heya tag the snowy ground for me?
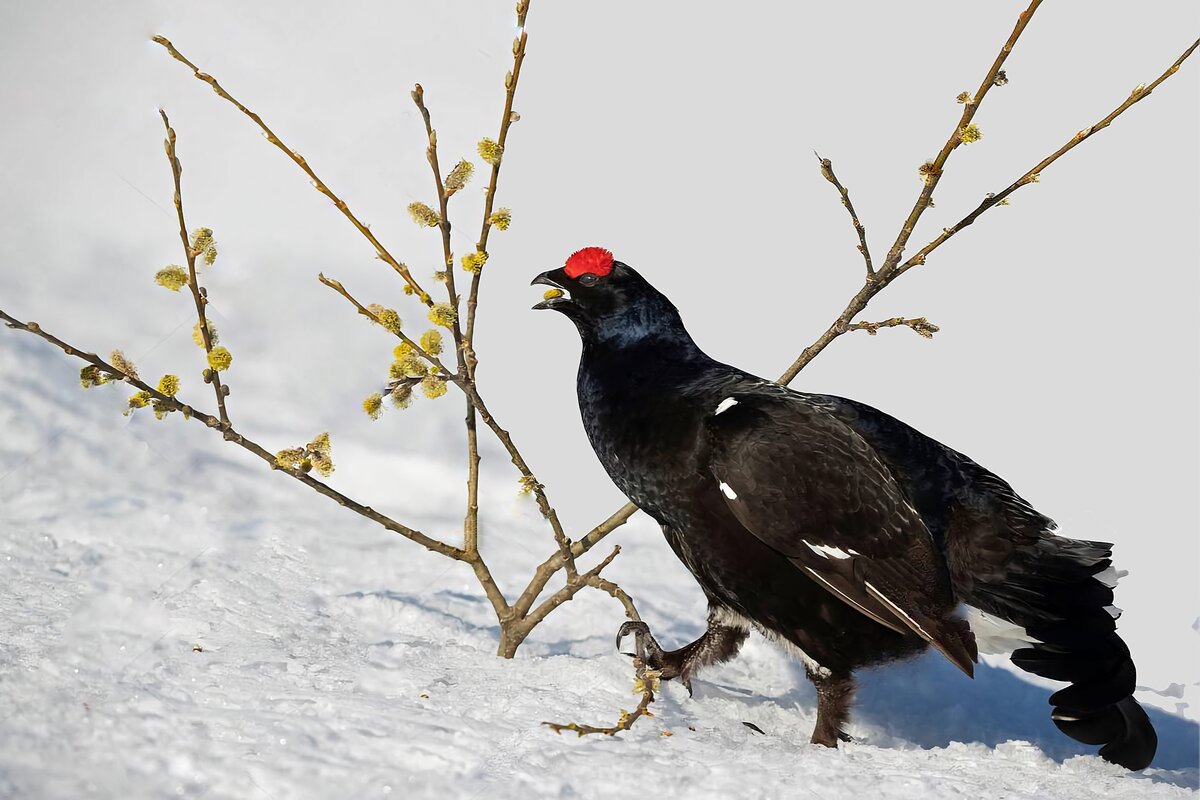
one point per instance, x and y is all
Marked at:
(177, 621)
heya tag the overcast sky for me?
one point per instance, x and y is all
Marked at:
(680, 135)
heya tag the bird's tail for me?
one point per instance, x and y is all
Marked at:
(1056, 595)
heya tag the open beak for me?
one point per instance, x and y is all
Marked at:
(554, 279)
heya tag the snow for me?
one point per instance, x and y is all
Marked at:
(179, 621)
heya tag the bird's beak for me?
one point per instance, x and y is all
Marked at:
(554, 279)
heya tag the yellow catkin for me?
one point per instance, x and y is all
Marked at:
(433, 386)
(172, 277)
(291, 458)
(490, 151)
(219, 359)
(501, 218)
(424, 215)
(198, 337)
(389, 319)
(373, 405)
(118, 360)
(458, 176)
(473, 262)
(92, 376)
(970, 134)
(443, 314)
(431, 342)
(169, 385)
(402, 396)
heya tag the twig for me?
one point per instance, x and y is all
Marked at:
(645, 683)
(231, 435)
(510, 84)
(337, 286)
(300, 161)
(468, 387)
(1138, 94)
(933, 173)
(827, 172)
(198, 294)
(471, 519)
(919, 325)
(571, 588)
(888, 274)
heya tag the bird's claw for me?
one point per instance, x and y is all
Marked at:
(646, 646)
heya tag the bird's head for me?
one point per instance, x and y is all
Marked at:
(606, 299)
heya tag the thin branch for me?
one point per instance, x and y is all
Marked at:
(1138, 94)
(471, 519)
(467, 386)
(572, 587)
(337, 286)
(827, 172)
(528, 479)
(300, 161)
(933, 172)
(919, 325)
(198, 294)
(231, 435)
(645, 683)
(510, 84)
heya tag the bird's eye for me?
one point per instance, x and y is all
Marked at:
(587, 279)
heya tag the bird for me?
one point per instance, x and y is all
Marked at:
(842, 534)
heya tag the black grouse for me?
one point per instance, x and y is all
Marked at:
(832, 528)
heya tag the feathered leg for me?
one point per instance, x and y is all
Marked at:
(719, 643)
(835, 693)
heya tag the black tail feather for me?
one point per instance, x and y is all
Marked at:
(1048, 585)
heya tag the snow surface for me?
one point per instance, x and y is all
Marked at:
(178, 621)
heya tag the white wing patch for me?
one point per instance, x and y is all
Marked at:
(994, 635)
(728, 491)
(831, 552)
(878, 595)
(851, 601)
(725, 405)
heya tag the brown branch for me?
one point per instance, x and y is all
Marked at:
(827, 172)
(919, 325)
(471, 519)
(528, 479)
(477, 403)
(300, 161)
(231, 435)
(510, 85)
(198, 294)
(645, 683)
(1032, 175)
(337, 286)
(933, 173)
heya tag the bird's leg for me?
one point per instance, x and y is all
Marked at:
(719, 643)
(834, 695)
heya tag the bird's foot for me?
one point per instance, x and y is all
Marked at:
(670, 665)
(646, 646)
(828, 738)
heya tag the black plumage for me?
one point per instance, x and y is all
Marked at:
(832, 528)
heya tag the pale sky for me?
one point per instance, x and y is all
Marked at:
(679, 135)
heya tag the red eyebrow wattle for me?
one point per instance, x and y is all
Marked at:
(589, 261)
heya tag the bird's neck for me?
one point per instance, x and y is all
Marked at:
(639, 327)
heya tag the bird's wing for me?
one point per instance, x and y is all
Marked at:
(812, 489)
